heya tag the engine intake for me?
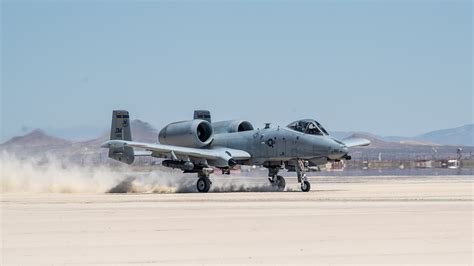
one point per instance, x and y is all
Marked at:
(195, 133)
(231, 126)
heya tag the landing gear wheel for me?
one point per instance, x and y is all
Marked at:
(280, 183)
(203, 184)
(305, 186)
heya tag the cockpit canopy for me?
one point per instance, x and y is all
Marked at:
(308, 126)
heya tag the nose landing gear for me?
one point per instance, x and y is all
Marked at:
(301, 174)
(305, 186)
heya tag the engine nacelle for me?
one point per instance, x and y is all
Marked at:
(195, 133)
(231, 126)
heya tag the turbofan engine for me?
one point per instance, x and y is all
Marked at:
(231, 126)
(195, 133)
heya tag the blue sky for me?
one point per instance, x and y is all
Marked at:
(386, 67)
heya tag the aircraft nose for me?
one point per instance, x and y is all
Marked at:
(338, 151)
(341, 150)
(344, 149)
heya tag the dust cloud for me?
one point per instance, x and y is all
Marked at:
(57, 175)
(53, 175)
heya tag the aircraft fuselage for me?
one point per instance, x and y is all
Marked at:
(280, 144)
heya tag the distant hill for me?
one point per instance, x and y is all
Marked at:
(34, 143)
(403, 150)
(453, 136)
(144, 132)
(38, 143)
(459, 136)
(36, 138)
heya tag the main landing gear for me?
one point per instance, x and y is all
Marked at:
(204, 183)
(276, 180)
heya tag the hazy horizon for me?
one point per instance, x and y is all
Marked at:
(387, 68)
(82, 133)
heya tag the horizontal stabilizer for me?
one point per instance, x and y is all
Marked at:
(353, 142)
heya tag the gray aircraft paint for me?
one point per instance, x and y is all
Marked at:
(279, 145)
(196, 145)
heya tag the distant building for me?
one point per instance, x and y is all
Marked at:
(451, 163)
(423, 164)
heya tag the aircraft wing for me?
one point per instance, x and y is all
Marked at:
(352, 142)
(173, 152)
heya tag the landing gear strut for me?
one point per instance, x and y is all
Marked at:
(203, 184)
(276, 180)
(301, 173)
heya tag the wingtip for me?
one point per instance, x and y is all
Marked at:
(105, 144)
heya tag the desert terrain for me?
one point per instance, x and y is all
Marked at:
(349, 220)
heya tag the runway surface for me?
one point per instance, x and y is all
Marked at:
(350, 220)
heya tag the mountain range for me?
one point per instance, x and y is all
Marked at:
(39, 144)
(459, 136)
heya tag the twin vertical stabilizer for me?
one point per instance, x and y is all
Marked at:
(203, 115)
(120, 130)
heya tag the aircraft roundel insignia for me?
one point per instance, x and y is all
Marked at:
(270, 142)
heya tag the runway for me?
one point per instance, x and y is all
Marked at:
(350, 220)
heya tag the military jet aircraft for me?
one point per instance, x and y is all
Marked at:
(196, 146)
